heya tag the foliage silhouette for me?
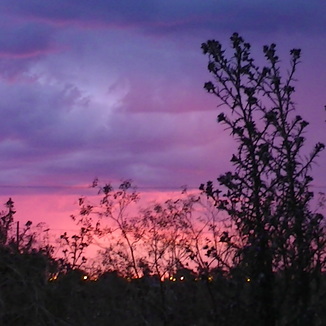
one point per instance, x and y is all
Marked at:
(268, 193)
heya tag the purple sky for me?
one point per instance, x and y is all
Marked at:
(114, 89)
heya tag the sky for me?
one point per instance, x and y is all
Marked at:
(114, 90)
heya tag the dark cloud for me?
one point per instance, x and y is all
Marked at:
(22, 44)
(24, 40)
(174, 16)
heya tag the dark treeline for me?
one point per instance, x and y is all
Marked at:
(250, 251)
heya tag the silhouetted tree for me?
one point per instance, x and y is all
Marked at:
(74, 246)
(114, 209)
(267, 194)
(24, 271)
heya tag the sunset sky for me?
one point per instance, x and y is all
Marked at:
(114, 90)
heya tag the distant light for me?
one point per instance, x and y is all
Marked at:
(53, 278)
(210, 278)
(85, 277)
(182, 278)
(248, 279)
